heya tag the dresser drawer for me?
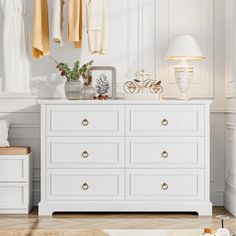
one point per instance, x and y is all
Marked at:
(86, 152)
(85, 184)
(82, 120)
(14, 168)
(165, 152)
(151, 120)
(162, 184)
(13, 196)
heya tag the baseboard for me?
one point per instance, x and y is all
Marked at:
(47, 208)
(230, 203)
(217, 198)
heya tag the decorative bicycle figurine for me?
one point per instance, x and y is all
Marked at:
(143, 81)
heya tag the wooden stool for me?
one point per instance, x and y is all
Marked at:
(15, 180)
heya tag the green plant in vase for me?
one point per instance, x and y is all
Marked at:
(73, 84)
(75, 72)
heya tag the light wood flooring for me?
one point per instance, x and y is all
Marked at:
(115, 221)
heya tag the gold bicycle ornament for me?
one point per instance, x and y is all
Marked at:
(143, 81)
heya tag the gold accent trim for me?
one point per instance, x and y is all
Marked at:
(185, 58)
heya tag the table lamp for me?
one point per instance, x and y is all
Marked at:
(184, 48)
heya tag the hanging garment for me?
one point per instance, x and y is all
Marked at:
(57, 18)
(40, 38)
(97, 25)
(75, 22)
(15, 49)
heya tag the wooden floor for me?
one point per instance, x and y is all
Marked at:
(115, 221)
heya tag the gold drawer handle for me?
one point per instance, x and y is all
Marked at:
(165, 154)
(85, 154)
(165, 186)
(85, 186)
(165, 122)
(85, 122)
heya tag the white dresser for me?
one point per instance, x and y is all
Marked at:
(125, 156)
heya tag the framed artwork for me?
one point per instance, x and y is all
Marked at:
(104, 80)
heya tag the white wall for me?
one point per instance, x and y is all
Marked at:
(230, 106)
(139, 33)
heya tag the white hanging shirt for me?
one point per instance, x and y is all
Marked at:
(15, 46)
(57, 21)
(97, 21)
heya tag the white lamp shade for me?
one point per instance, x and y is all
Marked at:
(184, 47)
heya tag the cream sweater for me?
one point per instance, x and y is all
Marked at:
(57, 21)
(97, 25)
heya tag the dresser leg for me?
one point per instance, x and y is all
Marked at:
(44, 210)
(205, 210)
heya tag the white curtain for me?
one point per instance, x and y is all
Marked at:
(15, 47)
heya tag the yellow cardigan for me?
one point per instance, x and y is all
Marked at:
(40, 40)
(75, 22)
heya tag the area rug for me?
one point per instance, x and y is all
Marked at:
(154, 232)
(108, 232)
(62, 232)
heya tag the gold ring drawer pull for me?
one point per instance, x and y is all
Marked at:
(85, 122)
(85, 186)
(165, 186)
(85, 154)
(165, 122)
(165, 154)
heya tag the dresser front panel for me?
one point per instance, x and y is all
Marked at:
(84, 120)
(162, 184)
(165, 152)
(86, 152)
(85, 184)
(165, 120)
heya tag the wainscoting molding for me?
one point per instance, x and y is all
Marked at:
(230, 49)
(229, 198)
(212, 147)
(230, 203)
(230, 172)
(230, 111)
(230, 160)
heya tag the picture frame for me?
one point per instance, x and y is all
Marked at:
(106, 72)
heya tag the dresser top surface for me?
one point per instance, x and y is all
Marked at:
(123, 102)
